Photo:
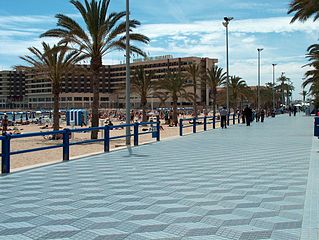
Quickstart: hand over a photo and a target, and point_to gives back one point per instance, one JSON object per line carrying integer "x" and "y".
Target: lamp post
{"x": 273, "y": 85}
{"x": 258, "y": 87}
{"x": 128, "y": 73}
{"x": 282, "y": 88}
{"x": 226, "y": 23}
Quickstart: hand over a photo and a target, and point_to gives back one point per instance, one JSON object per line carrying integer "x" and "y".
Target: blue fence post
{"x": 136, "y": 134}
{"x": 205, "y": 123}
{"x": 158, "y": 129}
{"x": 228, "y": 116}
{"x": 238, "y": 118}
{"x": 5, "y": 163}
{"x": 66, "y": 144}
{"x": 107, "y": 138}
{"x": 214, "y": 122}
{"x": 234, "y": 118}
{"x": 194, "y": 125}
{"x": 181, "y": 127}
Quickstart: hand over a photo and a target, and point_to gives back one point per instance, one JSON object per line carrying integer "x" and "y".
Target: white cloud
{"x": 262, "y": 25}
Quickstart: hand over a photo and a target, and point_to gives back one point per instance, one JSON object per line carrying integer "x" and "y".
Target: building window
{"x": 77, "y": 98}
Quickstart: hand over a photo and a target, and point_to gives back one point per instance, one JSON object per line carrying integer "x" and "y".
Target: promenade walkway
{"x": 240, "y": 183}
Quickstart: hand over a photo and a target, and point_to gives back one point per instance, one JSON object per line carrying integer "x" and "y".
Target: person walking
{"x": 243, "y": 117}
{"x": 5, "y": 123}
{"x": 248, "y": 114}
{"x": 262, "y": 115}
{"x": 257, "y": 115}
{"x": 295, "y": 111}
{"x": 223, "y": 117}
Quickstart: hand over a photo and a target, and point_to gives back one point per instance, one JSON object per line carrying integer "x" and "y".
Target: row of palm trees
{"x": 303, "y": 10}
{"x": 177, "y": 85}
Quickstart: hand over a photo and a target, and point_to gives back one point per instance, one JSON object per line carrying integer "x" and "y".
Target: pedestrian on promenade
{"x": 295, "y": 111}
{"x": 223, "y": 117}
{"x": 166, "y": 117}
{"x": 5, "y": 123}
{"x": 289, "y": 111}
{"x": 170, "y": 120}
{"x": 248, "y": 114}
{"x": 243, "y": 117}
{"x": 262, "y": 115}
{"x": 257, "y": 115}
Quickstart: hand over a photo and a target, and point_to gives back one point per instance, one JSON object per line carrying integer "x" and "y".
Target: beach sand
{"x": 28, "y": 160}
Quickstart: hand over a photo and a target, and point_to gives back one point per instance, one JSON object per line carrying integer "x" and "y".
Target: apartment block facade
{"x": 76, "y": 89}
{"x": 12, "y": 89}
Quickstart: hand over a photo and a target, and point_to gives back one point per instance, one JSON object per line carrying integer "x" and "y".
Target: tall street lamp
{"x": 226, "y": 23}
{"x": 128, "y": 73}
{"x": 258, "y": 87}
{"x": 282, "y": 88}
{"x": 273, "y": 85}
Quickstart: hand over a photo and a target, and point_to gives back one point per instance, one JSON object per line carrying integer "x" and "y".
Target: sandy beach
{"x": 32, "y": 159}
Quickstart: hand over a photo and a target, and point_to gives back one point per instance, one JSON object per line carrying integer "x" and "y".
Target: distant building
{"x": 12, "y": 89}
{"x": 76, "y": 90}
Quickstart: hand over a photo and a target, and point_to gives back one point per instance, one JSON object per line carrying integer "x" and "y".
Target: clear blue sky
{"x": 182, "y": 28}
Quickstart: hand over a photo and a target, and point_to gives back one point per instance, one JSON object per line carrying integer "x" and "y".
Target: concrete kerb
{"x": 310, "y": 223}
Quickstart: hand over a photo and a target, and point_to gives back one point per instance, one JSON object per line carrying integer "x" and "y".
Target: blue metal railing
{"x": 193, "y": 122}
{"x": 65, "y": 136}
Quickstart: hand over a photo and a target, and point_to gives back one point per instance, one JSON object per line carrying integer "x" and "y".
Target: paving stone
{"x": 244, "y": 232}
{"x": 275, "y": 223}
{"x": 191, "y": 229}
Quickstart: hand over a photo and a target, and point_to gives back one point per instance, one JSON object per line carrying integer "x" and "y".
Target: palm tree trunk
{"x": 195, "y": 99}
{"x": 95, "y": 67}
{"x": 56, "y": 106}
{"x": 143, "y": 105}
{"x": 175, "y": 120}
{"x": 214, "y": 102}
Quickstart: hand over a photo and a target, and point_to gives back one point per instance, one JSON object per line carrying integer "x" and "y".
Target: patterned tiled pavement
{"x": 241, "y": 183}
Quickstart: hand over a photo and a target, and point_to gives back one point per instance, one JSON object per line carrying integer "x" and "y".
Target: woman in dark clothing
{"x": 248, "y": 114}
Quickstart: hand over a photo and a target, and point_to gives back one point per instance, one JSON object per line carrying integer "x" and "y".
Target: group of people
{"x": 293, "y": 110}
{"x": 247, "y": 114}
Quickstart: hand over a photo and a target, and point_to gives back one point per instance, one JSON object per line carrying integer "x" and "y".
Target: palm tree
{"x": 143, "y": 85}
{"x": 102, "y": 33}
{"x": 304, "y": 95}
{"x": 290, "y": 87}
{"x": 312, "y": 75}
{"x": 283, "y": 80}
{"x": 193, "y": 72}
{"x": 266, "y": 94}
{"x": 304, "y": 9}
{"x": 54, "y": 61}
{"x": 175, "y": 85}
{"x": 237, "y": 87}
{"x": 215, "y": 78}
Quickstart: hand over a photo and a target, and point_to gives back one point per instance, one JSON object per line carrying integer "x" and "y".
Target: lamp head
{"x": 259, "y": 49}
{"x": 228, "y": 19}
